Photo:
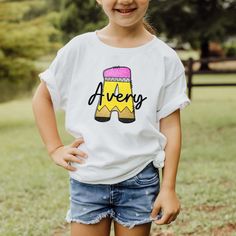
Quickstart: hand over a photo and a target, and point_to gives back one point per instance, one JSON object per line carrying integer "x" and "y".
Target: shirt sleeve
{"x": 173, "y": 94}
{"x": 57, "y": 78}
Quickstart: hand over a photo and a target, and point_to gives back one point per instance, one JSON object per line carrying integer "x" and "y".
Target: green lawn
{"x": 34, "y": 193}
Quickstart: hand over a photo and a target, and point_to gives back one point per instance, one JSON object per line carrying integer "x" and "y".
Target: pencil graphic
{"x": 117, "y": 95}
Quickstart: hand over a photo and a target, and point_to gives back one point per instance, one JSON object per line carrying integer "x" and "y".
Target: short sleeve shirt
{"x": 114, "y": 98}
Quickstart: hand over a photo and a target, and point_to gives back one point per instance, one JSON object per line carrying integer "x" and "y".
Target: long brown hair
{"x": 149, "y": 27}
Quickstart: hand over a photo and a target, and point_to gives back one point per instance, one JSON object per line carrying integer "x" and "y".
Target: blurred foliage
{"x": 29, "y": 39}
{"x": 196, "y": 22}
{"x": 55, "y": 5}
{"x": 27, "y": 31}
{"x": 14, "y": 11}
{"x": 79, "y": 16}
{"x": 19, "y": 72}
{"x": 230, "y": 48}
{"x": 231, "y": 52}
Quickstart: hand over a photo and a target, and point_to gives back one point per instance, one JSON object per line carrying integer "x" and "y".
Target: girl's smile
{"x": 125, "y": 12}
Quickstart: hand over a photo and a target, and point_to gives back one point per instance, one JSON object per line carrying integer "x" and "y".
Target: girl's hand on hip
{"x": 63, "y": 155}
{"x": 168, "y": 203}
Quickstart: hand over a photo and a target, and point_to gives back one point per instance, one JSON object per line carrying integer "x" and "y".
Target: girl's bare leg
{"x": 101, "y": 228}
{"x": 138, "y": 230}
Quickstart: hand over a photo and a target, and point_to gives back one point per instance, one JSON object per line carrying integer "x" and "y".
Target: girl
{"x": 122, "y": 89}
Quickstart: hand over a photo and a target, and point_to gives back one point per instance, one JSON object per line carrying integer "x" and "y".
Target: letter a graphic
{"x": 117, "y": 95}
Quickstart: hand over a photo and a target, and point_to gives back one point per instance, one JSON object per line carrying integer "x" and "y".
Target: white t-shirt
{"x": 114, "y": 98}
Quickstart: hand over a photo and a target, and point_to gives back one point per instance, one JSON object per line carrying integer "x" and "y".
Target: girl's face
{"x": 124, "y": 12}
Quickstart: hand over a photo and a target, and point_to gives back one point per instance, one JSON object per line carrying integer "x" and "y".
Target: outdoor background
{"x": 34, "y": 192}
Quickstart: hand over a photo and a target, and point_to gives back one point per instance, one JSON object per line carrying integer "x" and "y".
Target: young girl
{"x": 122, "y": 89}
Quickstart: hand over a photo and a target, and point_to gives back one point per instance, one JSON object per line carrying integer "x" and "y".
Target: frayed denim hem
{"x": 69, "y": 219}
{"x": 131, "y": 225}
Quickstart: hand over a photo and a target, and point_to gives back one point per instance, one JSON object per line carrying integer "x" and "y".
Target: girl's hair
{"x": 148, "y": 27}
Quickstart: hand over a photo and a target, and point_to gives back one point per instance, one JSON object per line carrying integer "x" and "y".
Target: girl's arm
{"x": 167, "y": 200}
{"x": 170, "y": 126}
{"x": 45, "y": 118}
{"x": 46, "y": 122}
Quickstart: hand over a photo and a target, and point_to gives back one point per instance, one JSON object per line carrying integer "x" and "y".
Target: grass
{"x": 206, "y": 176}
{"x": 229, "y": 78}
{"x": 34, "y": 193}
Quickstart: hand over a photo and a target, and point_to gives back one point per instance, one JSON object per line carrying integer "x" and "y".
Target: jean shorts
{"x": 129, "y": 202}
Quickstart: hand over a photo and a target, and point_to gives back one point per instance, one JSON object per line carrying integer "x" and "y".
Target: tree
{"x": 195, "y": 21}
{"x": 80, "y": 16}
{"x": 26, "y": 33}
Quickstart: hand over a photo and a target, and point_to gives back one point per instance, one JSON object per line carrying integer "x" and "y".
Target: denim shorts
{"x": 129, "y": 202}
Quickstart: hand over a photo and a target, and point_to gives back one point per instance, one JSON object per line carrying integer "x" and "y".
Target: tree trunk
{"x": 204, "y": 53}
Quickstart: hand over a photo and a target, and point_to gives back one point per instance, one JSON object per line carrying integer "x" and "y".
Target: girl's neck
{"x": 115, "y": 35}
{"x": 119, "y": 32}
